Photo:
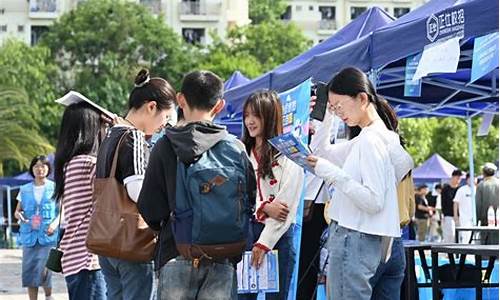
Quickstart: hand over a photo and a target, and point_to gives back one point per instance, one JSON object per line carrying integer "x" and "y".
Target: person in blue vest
{"x": 37, "y": 213}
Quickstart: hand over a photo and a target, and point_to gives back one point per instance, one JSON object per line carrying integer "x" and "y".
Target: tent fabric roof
{"x": 362, "y": 26}
{"x": 436, "y": 167}
{"x": 236, "y": 79}
{"x": 481, "y": 17}
{"x": 385, "y": 49}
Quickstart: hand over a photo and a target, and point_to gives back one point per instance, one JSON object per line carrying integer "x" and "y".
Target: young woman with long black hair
{"x": 365, "y": 172}
{"x": 82, "y": 129}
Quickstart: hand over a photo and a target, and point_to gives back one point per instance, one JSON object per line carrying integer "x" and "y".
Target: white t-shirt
{"x": 38, "y": 190}
{"x": 464, "y": 200}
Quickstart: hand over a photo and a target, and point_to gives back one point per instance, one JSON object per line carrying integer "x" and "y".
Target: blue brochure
{"x": 293, "y": 148}
{"x": 263, "y": 280}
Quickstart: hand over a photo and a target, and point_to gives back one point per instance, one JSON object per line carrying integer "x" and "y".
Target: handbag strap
{"x": 60, "y": 218}
{"x": 112, "y": 173}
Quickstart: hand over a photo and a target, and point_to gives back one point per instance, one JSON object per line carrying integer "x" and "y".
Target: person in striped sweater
{"x": 75, "y": 159}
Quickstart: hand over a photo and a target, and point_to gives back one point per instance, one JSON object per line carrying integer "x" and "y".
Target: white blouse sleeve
{"x": 321, "y": 146}
{"x": 368, "y": 194}
{"x": 290, "y": 192}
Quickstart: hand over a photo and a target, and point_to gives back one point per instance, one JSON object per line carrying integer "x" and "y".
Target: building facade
{"x": 319, "y": 19}
{"x": 193, "y": 19}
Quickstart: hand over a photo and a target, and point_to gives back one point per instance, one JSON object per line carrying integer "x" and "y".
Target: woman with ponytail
{"x": 151, "y": 104}
{"x": 365, "y": 172}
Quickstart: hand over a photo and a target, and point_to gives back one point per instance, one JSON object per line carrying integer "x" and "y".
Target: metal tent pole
{"x": 9, "y": 214}
{"x": 471, "y": 168}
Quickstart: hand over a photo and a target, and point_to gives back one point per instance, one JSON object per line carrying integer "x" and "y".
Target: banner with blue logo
{"x": 485, "y": 56}
{"x": 296, "y": 119}
{"x": 413, "y": 88}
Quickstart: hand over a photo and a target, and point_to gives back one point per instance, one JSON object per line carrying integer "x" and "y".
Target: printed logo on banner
{"x": 432, "y": 28}
{"x": 446, "y": 24}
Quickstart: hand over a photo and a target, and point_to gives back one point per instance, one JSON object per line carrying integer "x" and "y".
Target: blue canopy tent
{"x": 236, "y": 79}
{"x": 442, "y": 95}
{"x": 235, "y": 97}
{"x": 435, "y": 168}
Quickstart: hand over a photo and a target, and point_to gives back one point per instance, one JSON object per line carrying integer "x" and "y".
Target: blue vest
{"x": 48, "y": 211}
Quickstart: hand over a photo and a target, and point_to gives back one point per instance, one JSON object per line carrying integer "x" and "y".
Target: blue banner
{"x": 296, "y": 119}
{"x": 413, "y": 88}
{"x": 485, "y": 56}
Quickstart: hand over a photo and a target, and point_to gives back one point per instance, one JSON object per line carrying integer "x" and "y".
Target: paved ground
{"x": 10, "y": 279}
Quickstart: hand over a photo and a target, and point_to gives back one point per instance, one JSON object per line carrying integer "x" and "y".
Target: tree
{"x": 255, "y": 49}
{"x": 223, "y": 65}
{"x": 448, "y": 137}
{"x": 266, "y": 10}
{"x": 101, "y": 45}
{"x": 271, "y": 43}
{"x": 32, "y": 70}
{"x": 418, "y": 134}
{"x": 19, "y": 137}
{"x": 220, "y": 58}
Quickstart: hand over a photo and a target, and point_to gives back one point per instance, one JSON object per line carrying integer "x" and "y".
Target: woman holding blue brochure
{"x": 365, "y": 228}
{"x": 278, "y": 185}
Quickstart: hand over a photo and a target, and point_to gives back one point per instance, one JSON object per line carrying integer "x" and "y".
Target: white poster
{"x": 439, "y": 57}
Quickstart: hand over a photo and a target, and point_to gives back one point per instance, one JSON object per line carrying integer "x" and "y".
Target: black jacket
{"x": 157, "y": 198}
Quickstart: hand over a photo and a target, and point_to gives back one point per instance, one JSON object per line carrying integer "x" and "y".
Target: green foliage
{"x": 418, "y": 134}
{"x": 448, "y": 137}
{"x": 19, "y": 133}
{"x": 101, "y": 45}
{"x": 31, "y": 69}
{"x": 254, "y": 49}
{"x": 223, "y": 65}
{"x": 271, "y": 43}
{"x": 266, "y": 10}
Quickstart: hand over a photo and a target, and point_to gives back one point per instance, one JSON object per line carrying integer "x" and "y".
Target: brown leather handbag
{"x": 116, "y": 228}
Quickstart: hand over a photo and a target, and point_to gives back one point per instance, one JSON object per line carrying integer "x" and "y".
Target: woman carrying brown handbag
{"x": 151, "y": 103}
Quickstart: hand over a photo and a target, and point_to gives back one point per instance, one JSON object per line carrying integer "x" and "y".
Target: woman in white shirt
{"x": 364, "y": 172}
{"x": 279, "y": 187}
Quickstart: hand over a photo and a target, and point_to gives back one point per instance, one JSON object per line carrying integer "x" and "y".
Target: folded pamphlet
{"x": 293, "y": 148}
{"x": 263, "y": 280}
{"x": 73, "y": 97}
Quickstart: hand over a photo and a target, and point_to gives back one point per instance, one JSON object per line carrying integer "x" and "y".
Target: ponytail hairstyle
{"x": 267, "y": 106}
{"x": 352, "y": 81}
{"x": 147, "y": 89}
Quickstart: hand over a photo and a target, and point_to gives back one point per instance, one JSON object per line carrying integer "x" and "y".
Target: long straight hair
{"x": 352, "y": 81}
{"x": 79, "y": 134}
{"x": 267, "y": 106}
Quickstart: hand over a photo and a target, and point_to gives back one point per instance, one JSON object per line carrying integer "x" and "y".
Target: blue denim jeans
{"x": 127, "y": 280}
{"x": 286, "y": 261}
{"x": 86, "y": 285}
{"x": 387, "y": 281}
{"x": 179, "y": 280}
{"x": 354, "y": 259}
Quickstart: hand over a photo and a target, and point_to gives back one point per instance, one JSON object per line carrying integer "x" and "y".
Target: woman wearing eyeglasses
{"x": 364, "y": 172}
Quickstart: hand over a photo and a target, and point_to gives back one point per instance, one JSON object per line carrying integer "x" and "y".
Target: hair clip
{"x": 138, "y": 85}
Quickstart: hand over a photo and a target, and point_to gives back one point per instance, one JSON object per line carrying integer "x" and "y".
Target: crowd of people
{"x": 206, "y": 197}
{"x": 440, "y": 211}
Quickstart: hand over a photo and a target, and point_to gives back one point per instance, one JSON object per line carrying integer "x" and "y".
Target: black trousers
{"x": 309, "y": 253}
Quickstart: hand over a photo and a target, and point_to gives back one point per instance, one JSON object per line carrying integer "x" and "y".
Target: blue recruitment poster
{"x": 296, "y": 119}
{"x": 293, "y": 148}
{"x": 263, "y": 280}
{"x": 485, "y": 55}
{"x": 413, "y": 88}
